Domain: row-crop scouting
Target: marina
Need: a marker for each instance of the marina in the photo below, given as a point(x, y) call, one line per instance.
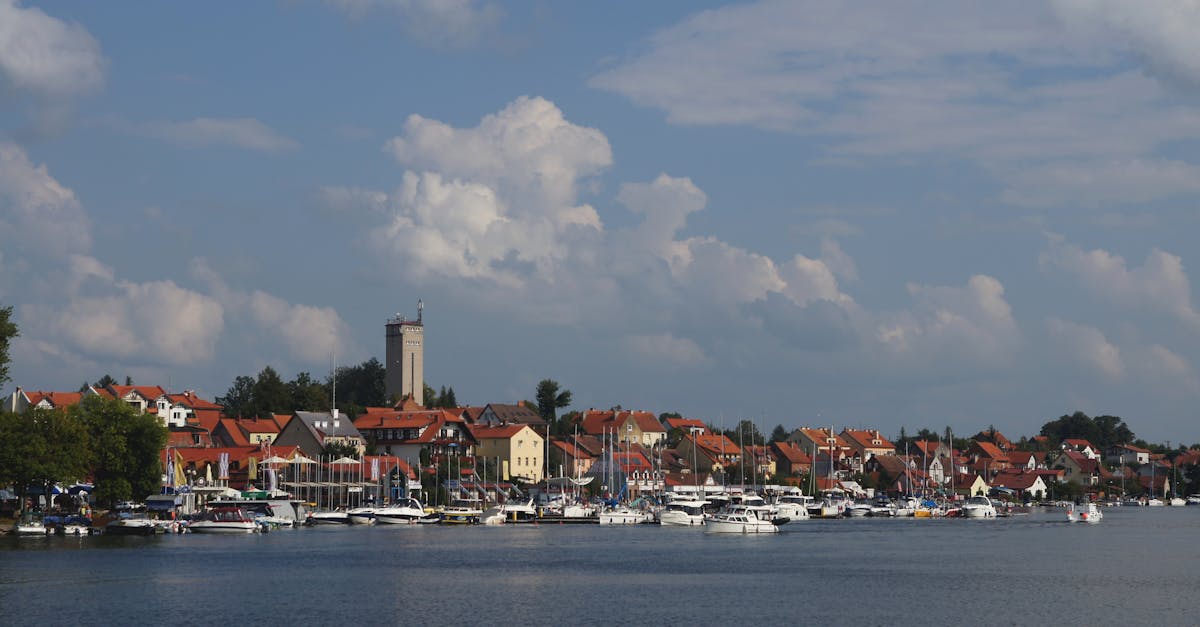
point(848, 571)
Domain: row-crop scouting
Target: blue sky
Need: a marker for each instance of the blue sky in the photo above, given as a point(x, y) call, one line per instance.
point(801, 213)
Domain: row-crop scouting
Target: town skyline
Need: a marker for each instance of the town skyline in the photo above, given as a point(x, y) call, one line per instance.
point(791, 212)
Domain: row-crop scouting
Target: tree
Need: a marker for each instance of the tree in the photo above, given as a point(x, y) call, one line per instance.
point(431, 397)
point(779, 434)
point(41, 447)
point(8, 331)
point(363, 385)
point(449, 401)
point(125, 448)
point(550, 400)
point(307, 394)
point(270, 394)
point(341, 449)
point(239, 399)
point(745, 432)
point(106, 381)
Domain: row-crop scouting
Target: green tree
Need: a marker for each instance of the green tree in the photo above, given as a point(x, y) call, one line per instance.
point(449, 401)
point(779, 434)
point(270, 394)
point(745, 432)
point(106, 381)
point(8, 331)
point(363, 385)
point(239, 399)
point(341, 449)
point(41, 448)
point(125, 448)
point(306, 394)
point(431, 396)
point(550, 400)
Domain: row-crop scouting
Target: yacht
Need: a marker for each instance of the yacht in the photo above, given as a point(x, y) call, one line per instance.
point(405, 511)
point(132, 526)
point(793, 506)
point(462, 512)
point(329, 517)
point(225, 520)
point(1193, 499)
point(978, 507)
point(683, 513)
point(515, 512)
point(739, 519)
point(1088, 513)
point(362, 515)
point(625, 516)
point(30, 526)
point(858, 509)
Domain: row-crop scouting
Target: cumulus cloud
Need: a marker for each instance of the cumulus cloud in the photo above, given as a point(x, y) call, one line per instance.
point(1078, 344)
point(1159, 285)
point(439, 23)
point(46, 56)
point(247, 133)
point(312, 333)
point(973, 322)
point(39, 215)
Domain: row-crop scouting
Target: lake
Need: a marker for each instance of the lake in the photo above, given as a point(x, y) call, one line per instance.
point(1139, 565)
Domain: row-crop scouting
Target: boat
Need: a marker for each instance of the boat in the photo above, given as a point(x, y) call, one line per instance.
point(859, 509)
point(406, 511)
point(73, 525)
point(514, 512)
point(132, 526)
point(30, 526)
point(272, 512)
point(329, 517)
point(1154, 502)
point(625, 516)
point(793, 506)
point(362, 515)
point(978, 507)
point(905, 507)
point(462, 512)
point(683, 513)
point(225, 520)
point(1193, 499)
point(1175, 501)
point(1087, 512)
point(740, 519)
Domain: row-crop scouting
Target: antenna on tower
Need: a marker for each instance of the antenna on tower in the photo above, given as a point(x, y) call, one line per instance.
point(333, 381)
point(420, 310)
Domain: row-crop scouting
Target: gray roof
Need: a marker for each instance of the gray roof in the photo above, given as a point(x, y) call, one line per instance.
point(323, 423)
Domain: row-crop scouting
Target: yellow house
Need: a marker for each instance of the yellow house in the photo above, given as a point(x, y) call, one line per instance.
point(518, 447)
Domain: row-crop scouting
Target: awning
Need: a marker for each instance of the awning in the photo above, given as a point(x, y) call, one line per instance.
point(163, 503)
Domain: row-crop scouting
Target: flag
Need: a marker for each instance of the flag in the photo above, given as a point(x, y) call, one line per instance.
point(252, 469)
point(170, 468)
point(375, 469)
point(223, 464)
point(177, 461)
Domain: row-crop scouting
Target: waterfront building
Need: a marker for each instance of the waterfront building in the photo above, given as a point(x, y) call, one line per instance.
point(868, 442)
point(405, 357)
point(518, 447)
point(410, 431)
point(312, 431)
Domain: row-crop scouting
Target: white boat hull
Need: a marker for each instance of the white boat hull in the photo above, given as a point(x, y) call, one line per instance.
point(740, 527)
point(205, 526)
point(680, 519)
point(625, 518)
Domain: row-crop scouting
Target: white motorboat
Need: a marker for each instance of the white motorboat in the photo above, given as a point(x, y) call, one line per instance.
point(1154, 502)
point(29, 526)
point(407, 511)
point(793, 506)
point(510, 513)
point(1088, 513)
point(1193, 499)
point(132, 526)
point(859, 509)
point(1175, 501)
point(978, 507)
point(754, 502)
point(683, 513)
point(225, 520)
point(739, 519)
point(329, 517)
point(625, 516)
point(463, 512)
point(362, 515)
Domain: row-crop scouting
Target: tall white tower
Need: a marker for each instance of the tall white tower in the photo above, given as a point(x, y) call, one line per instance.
point(405, 354)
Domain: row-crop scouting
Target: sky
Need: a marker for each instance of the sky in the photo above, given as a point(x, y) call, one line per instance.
point(879, 214)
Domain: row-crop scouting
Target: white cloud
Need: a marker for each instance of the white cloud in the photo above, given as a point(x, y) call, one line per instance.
point(666, 349)
point(838, 262)
point(1012, 88)
point(1078, 344)
point(39, 216)
point(972, 323)
point(311, 333)
point(440, 23)
point(1162, 32)
point(247, 133)
point(1159, 285)
point(1092, 184)
point(155, 322)
point(45, 56)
